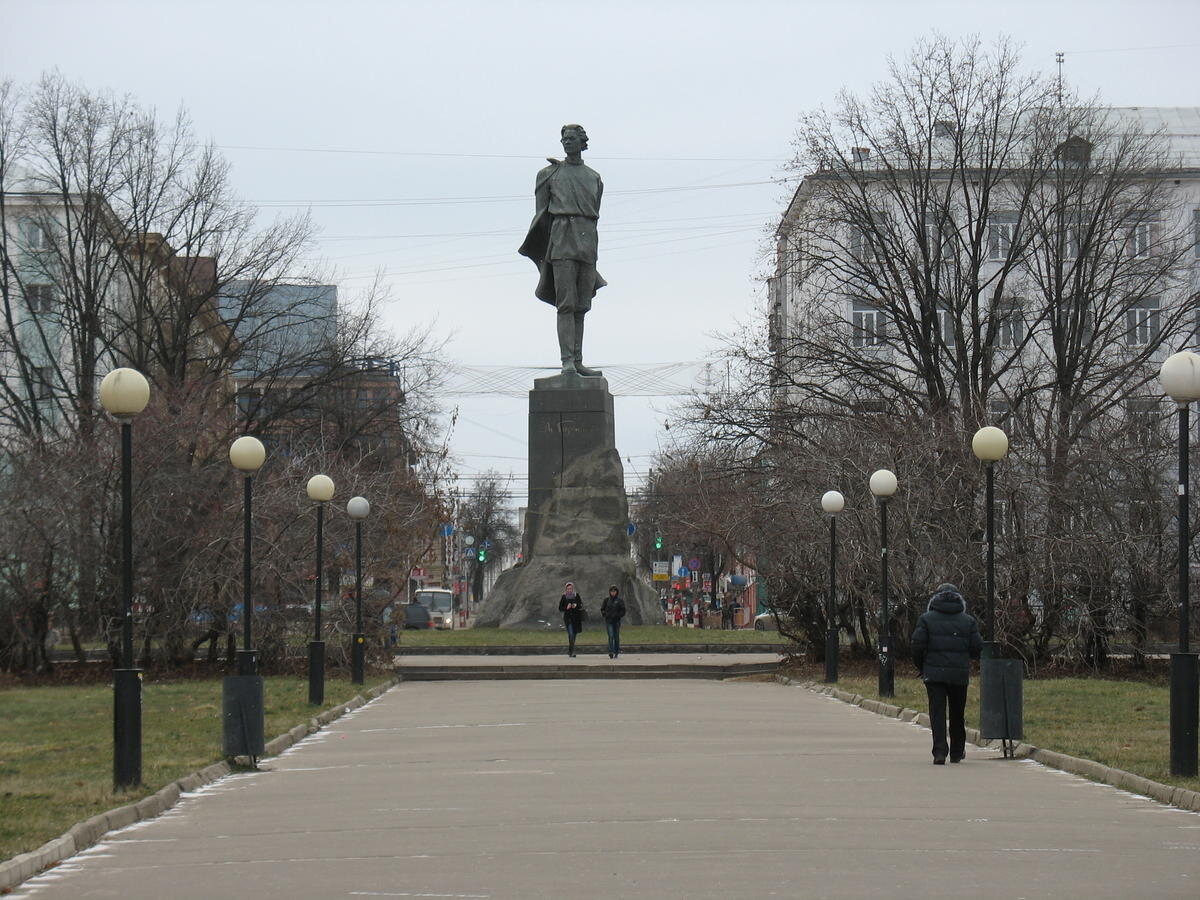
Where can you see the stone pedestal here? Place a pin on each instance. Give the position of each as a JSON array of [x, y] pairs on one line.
[[577, 514]]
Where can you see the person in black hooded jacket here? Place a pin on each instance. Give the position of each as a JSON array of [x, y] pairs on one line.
[[945, 641]]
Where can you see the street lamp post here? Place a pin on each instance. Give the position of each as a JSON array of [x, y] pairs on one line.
[[247, 455], [990, 445], [832, 503], [883, 486], [358, 509], [242, 694], [1180, 379], [124, 393], [320, 491]]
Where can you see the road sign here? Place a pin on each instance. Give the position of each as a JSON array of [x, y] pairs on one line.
[[447, 530], [662, 571], [469, 540], [487, 545], [683, 572], [694, 564], [630, 529]]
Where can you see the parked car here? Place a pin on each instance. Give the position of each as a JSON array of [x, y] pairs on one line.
[[765, 622], [416, 616]]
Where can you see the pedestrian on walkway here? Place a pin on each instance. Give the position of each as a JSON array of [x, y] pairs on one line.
[[571, 606], [613, 610], [945, 641]]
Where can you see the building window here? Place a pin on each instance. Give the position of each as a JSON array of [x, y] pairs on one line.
[[868, 325], [1002, 229], [937, 245], [1144, 418], [1011, 332], [862, 244], [39, 298], [1000, 513], [1137, 241], [1000, 413], [35, 237], [948, 323], [42, 378], [1142, 322]]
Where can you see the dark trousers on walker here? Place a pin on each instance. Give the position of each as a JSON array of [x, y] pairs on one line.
[[940, 693], [614, 637]]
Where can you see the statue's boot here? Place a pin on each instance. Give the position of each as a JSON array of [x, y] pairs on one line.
[[578, 356], [566, 343]]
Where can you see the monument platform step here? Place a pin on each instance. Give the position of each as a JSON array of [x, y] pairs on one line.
[[709, 666]]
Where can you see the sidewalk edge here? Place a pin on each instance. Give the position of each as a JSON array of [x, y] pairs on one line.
[[91, 831], [1086, 768]]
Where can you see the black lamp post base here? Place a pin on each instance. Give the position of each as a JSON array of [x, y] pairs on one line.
[[358, 652], [127, 728], [831, 656], [887, 667], [1185, 710], [316, 672]]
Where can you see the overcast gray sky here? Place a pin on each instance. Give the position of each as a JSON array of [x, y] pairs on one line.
[[452, 106]]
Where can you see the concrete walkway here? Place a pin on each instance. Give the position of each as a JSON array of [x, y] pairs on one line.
[[659, 789]]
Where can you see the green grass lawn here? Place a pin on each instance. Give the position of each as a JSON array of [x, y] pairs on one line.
[[593, 633], [1124, 724], [56, 746]]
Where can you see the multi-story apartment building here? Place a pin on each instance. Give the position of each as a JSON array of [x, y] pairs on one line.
[[965, 271], [83, 294]]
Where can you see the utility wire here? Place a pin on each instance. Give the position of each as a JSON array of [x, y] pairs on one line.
[[504, 198], [435, 155]]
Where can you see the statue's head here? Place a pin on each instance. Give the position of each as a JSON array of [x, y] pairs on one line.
[[578, 132]]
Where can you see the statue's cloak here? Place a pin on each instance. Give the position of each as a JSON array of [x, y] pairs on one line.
[[536, 245]]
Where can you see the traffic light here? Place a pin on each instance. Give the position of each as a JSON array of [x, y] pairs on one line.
[[658, 541], [482, 555]]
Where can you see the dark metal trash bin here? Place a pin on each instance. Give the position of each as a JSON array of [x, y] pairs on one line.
[[1001, 699], [242, 703]]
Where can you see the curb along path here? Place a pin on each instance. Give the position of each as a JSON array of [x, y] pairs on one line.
[[1085, 768], [90, 831]]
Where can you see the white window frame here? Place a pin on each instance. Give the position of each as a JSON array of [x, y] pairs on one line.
[[1143, 322], [1138, 241], [1011, 330], [1001, 231], [35, 236], [947, 320], [869, 325]]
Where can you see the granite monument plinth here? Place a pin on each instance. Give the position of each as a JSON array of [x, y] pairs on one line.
[[575, 523]]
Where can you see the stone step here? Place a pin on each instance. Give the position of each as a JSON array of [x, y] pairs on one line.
[[586, 649], [567, 670]]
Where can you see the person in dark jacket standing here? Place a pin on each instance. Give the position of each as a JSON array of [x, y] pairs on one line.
[[613, 610], [571, 606], [945, 641]]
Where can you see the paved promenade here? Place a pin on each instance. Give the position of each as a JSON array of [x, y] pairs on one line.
[[663, 789]]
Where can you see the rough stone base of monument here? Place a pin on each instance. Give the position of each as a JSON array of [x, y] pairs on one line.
[[577, 515], [527, 596]]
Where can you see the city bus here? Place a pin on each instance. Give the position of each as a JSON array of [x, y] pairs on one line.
[[440, 603]]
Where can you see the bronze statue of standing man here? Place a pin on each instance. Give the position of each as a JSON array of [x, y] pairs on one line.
[[562, 243]]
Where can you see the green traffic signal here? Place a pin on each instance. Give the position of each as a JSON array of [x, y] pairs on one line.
[[482, 555], [658, 542]]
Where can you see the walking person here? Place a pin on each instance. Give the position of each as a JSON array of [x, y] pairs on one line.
[[571, 606], [944, 642], [613, 610]]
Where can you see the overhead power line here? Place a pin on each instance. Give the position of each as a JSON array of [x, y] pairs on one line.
[[507, 198], [444, 155]]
